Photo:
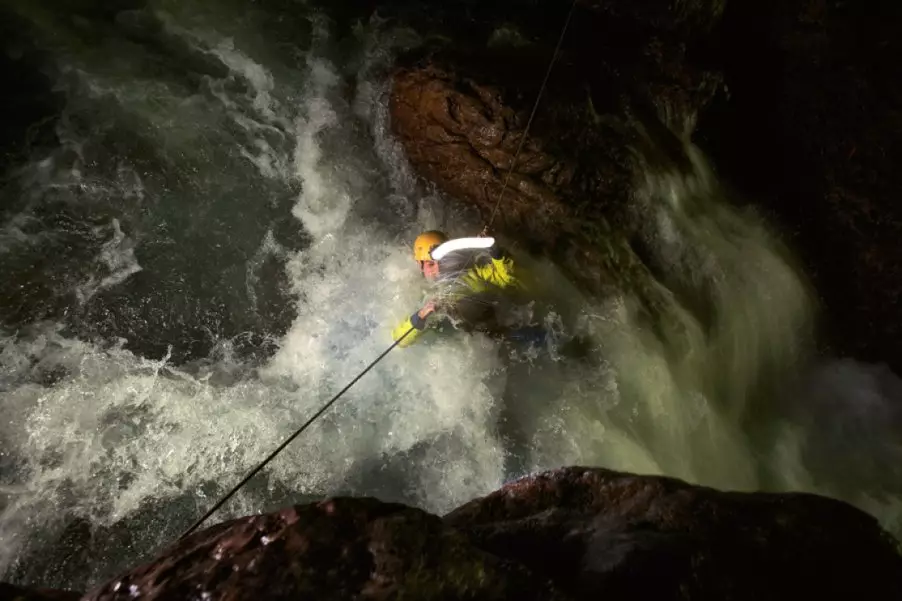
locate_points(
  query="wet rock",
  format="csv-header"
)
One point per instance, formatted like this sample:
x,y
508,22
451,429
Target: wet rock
x,y
340,548
10,592
463,136
601,534
624,75
571,533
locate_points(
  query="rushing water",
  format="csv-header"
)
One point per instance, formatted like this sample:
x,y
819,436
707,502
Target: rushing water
x,y
220,241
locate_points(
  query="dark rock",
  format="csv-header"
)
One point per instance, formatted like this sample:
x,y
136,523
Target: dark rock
x,y
341,548
601,534
10,592
572,533
811,129
624,72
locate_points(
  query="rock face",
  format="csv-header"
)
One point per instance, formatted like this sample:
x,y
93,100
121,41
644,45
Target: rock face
x,y
601,534
337,549
573,533
811,129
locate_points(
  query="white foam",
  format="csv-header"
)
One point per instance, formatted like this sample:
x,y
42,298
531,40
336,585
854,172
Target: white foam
x,y
322,206
118,256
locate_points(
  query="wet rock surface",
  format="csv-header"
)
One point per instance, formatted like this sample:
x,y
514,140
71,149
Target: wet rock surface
x,y
622,81
571,533
340,548
604,534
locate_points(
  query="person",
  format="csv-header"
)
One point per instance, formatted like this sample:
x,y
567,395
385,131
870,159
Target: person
x,y
483,291
479,289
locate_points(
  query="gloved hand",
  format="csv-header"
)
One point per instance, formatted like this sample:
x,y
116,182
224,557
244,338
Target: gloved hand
x,y
427,310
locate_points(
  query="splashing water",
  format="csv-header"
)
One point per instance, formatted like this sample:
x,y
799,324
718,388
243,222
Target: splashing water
x,y
125,442
263,188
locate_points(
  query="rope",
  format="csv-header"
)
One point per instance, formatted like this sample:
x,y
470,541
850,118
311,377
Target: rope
x,y
292,437
325,407
532,114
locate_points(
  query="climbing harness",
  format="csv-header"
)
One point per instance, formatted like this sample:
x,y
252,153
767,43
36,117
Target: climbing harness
x,y
469,243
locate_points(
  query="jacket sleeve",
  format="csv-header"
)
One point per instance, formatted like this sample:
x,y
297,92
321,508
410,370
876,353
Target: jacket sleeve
x,y
414,323
501,272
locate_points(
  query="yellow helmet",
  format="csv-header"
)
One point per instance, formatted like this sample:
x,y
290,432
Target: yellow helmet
x,y
426,243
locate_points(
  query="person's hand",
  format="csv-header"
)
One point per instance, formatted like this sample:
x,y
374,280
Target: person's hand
x,y
427,310
484,232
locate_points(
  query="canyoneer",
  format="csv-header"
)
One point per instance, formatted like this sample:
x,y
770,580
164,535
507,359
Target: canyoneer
x,y
477,289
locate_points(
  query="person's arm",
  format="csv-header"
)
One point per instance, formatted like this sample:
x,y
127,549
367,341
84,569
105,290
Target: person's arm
x,y
416,323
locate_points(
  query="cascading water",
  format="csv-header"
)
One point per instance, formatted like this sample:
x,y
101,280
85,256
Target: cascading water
x,y
226,184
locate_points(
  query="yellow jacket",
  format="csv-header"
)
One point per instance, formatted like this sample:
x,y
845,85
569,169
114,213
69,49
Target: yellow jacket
x,y
497,273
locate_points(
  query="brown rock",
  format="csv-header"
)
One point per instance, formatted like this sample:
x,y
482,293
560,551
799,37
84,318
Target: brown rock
x,y
572,533
608,535
459,134
338,549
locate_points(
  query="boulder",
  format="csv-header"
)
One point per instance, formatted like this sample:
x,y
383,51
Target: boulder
x,y
341,548
571,533
601,534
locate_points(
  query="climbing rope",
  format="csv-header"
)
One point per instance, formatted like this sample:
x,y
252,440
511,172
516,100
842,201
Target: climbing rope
x,y
535,106
325,407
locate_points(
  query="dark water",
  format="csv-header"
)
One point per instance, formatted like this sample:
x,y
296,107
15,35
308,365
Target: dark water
x,y
209,235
